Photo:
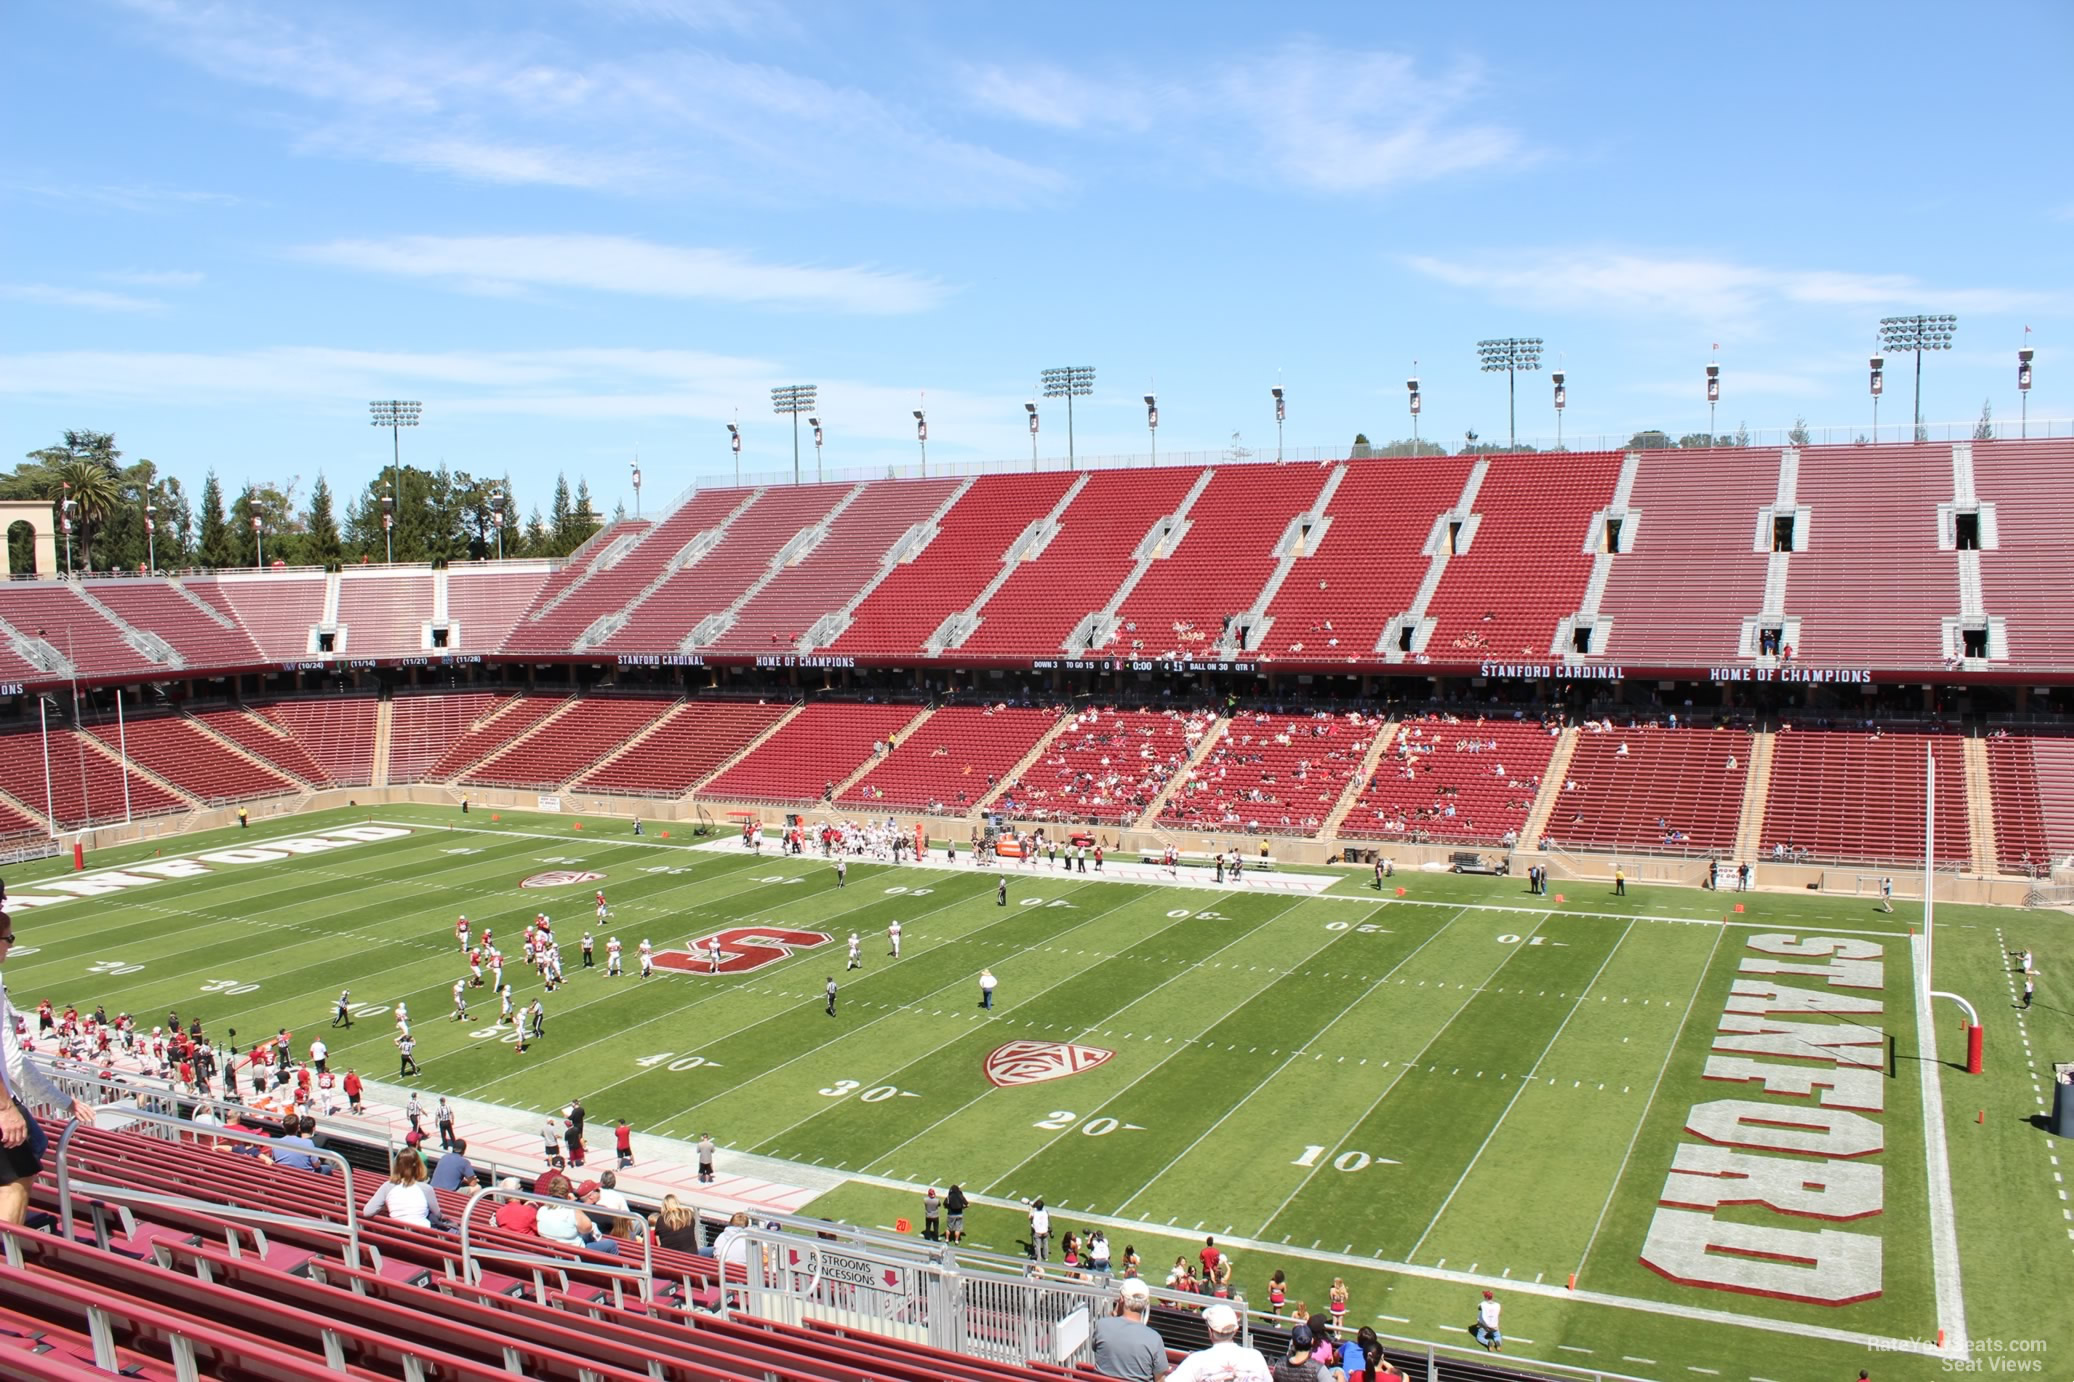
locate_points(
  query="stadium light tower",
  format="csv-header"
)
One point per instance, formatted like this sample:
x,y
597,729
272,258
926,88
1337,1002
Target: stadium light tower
x,y
389,523
1069,382
635,464
1713,396
1031,409
66,508
1152,424
1918,333
395,414
815,423
1412,384
497,501
1562,400
151,531
2023,386
1878,364
922,439
258,534
794,399
1511,354
734,441
1281,412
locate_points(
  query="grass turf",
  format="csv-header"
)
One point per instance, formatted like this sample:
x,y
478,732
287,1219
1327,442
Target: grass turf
x,y
1465,1083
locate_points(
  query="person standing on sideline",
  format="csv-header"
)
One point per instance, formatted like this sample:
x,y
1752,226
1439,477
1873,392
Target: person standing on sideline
x,y
855,963
1125,1346
1040,1231
1886,894
986,988
706,1158
954,1203
2030,984
352,1086
444,1118
623,1144
342,1016
588,961
831,995
22,1139
932,1216
842,870
893,935
244,819
1620,882
1001,891
1485,1330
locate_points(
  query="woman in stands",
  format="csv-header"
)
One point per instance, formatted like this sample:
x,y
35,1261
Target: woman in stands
x,y
569,1225
676,1227
407,1195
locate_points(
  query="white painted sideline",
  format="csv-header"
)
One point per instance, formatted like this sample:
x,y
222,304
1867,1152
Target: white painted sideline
x,y
1944,1232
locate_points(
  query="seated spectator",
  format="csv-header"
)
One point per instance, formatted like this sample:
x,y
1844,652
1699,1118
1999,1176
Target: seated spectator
x,y
731,1248
1224,1360
406,1194
455,1171
1125,1345
293,1148
567,1224
676,1227
626,1223
515,1216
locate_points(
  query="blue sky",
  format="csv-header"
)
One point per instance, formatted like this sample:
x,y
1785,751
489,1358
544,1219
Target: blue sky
x,y
579,231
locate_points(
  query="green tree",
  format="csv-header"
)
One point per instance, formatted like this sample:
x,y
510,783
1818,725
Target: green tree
x,y
321,545
1407,447
1361,450
83,477
1984,430
1799,435
213,544
584,517
561,519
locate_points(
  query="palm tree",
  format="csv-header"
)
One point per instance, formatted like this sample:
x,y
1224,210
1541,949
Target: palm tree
x,y
93,487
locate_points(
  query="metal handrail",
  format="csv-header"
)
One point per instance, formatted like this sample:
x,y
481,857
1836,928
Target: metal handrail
x,y
472,1268
67,1183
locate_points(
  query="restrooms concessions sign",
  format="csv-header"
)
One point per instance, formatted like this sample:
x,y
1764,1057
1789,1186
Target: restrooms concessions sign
x,y
104,882
1802,1045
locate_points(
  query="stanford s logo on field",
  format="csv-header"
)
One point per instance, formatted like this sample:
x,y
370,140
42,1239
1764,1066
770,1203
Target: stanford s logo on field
x,y
1034,1062
560,878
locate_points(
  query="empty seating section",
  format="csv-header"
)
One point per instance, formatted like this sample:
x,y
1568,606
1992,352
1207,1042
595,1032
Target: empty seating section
x,y
903,610
1447,778
1872,586
14,667
1692,570
586,587
279,611
1222,563
1650,787
696,738
384,613
590,730
953,759
163,608
423,727
182,753
818,747
1526,567
2031,777
2027,580
826,578
56,614
490,734
1107,766
265,741
1273,774
85,786
336,733
14,824
1037,607
743,556
1858,795
1366,567
484,604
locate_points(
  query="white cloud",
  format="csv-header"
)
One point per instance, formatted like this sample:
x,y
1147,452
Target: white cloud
x,y
478,160
1699,288
92,299
122,196
160,278
619,264
1048,95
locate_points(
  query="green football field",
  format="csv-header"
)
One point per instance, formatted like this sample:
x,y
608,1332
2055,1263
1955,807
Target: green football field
x,y
1426,1095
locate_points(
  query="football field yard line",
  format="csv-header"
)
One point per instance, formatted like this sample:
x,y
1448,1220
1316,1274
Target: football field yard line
x,y
1186,1042
1270,1078
712,994
1663,1068
956,1036
1937,1171
1526,1082
1085,1028
1750,923
1304,1183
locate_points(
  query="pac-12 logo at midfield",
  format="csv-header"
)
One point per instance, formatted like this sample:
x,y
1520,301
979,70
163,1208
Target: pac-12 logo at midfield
x,y
742,949
560,878
1034,1062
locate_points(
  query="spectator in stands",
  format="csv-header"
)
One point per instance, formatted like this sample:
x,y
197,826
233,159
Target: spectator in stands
x,y
455,1171
298,1139
515,1216
731,1248
676,1227
1224,1360
1125,1346
21,1136
1300,1363
614,1203
567,1224
406,1194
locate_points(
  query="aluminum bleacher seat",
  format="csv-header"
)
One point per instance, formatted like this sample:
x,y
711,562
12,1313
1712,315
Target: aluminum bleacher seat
x,y
178,750
1453,778
384,611
84,786
55,612
694,740
1691,572
334,733
1273,774
484,602
2026,580
1872,586
205,635
952,760
818,747
599,577
279,610
1854,794
2031,779
593,728
1650,787
265,740
489,734
1107,766
423,726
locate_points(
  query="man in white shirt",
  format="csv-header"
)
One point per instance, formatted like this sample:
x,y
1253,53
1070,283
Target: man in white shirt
x,y
21,1136
1224,1360
893,934
320,1054
1486,1331
1040,1231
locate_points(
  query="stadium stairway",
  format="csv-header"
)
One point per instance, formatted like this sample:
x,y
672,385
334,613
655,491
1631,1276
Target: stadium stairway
x,y
1021,769
384,733
647,731
113,755
1553,776
1980,806
233,747
1757,789
1351,793
752,746
20,803
1150,819
513,707
857,774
